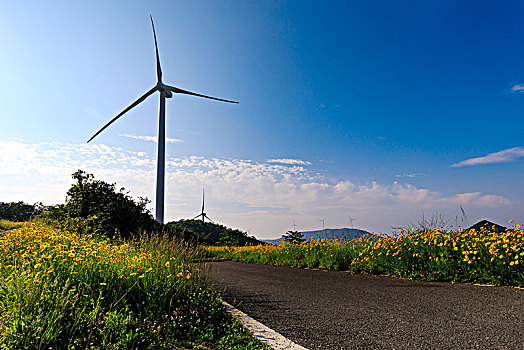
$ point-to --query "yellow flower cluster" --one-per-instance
(39, 251)
(483, 254)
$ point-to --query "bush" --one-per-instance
(94, 206)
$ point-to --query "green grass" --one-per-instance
(483, 256)
(60, 290)
(8, 225)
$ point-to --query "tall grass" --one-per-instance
(63, 290)
(8, 225)
(438, 255)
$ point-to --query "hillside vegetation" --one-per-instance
(210, 233)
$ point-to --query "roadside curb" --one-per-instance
(263, 333)
(2, 233)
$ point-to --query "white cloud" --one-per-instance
(42, 172)
(289, 161)
(517, 88)
(151, 138)
(409, 175)
(263, 196)
(507, 155)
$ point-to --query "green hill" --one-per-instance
(210, 233)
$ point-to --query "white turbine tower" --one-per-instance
(166, 91)
(203, 214)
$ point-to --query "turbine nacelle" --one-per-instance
(163, 88)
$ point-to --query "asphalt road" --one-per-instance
(338, 310)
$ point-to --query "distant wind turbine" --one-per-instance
(166, 91)
(203, 215)
(323, 222)
(351, 221)
(294, 225)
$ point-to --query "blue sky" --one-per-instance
(377, 110)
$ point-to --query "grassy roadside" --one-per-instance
(60, 290)
(8, 225)
(481, 256)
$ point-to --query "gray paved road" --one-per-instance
(338, 310)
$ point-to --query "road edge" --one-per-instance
(260, 331)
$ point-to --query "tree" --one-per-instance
(96, 206)
(293, 237)
(19, 211)
(230, 237)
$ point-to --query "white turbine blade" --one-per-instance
(180, 91)
(207, 217)
(125, 111)
(158, 69)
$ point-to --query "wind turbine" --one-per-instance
(294, 225)
(351, 221)
(166, 91)
(203, 214)
(323, 222)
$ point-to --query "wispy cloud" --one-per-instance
(409, 175)
(507, 155)
(263, 196)
(288, 161)
(150, 138)
(518, 88)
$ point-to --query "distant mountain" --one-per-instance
(488, 225)
(328, 233)
(350, 233)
